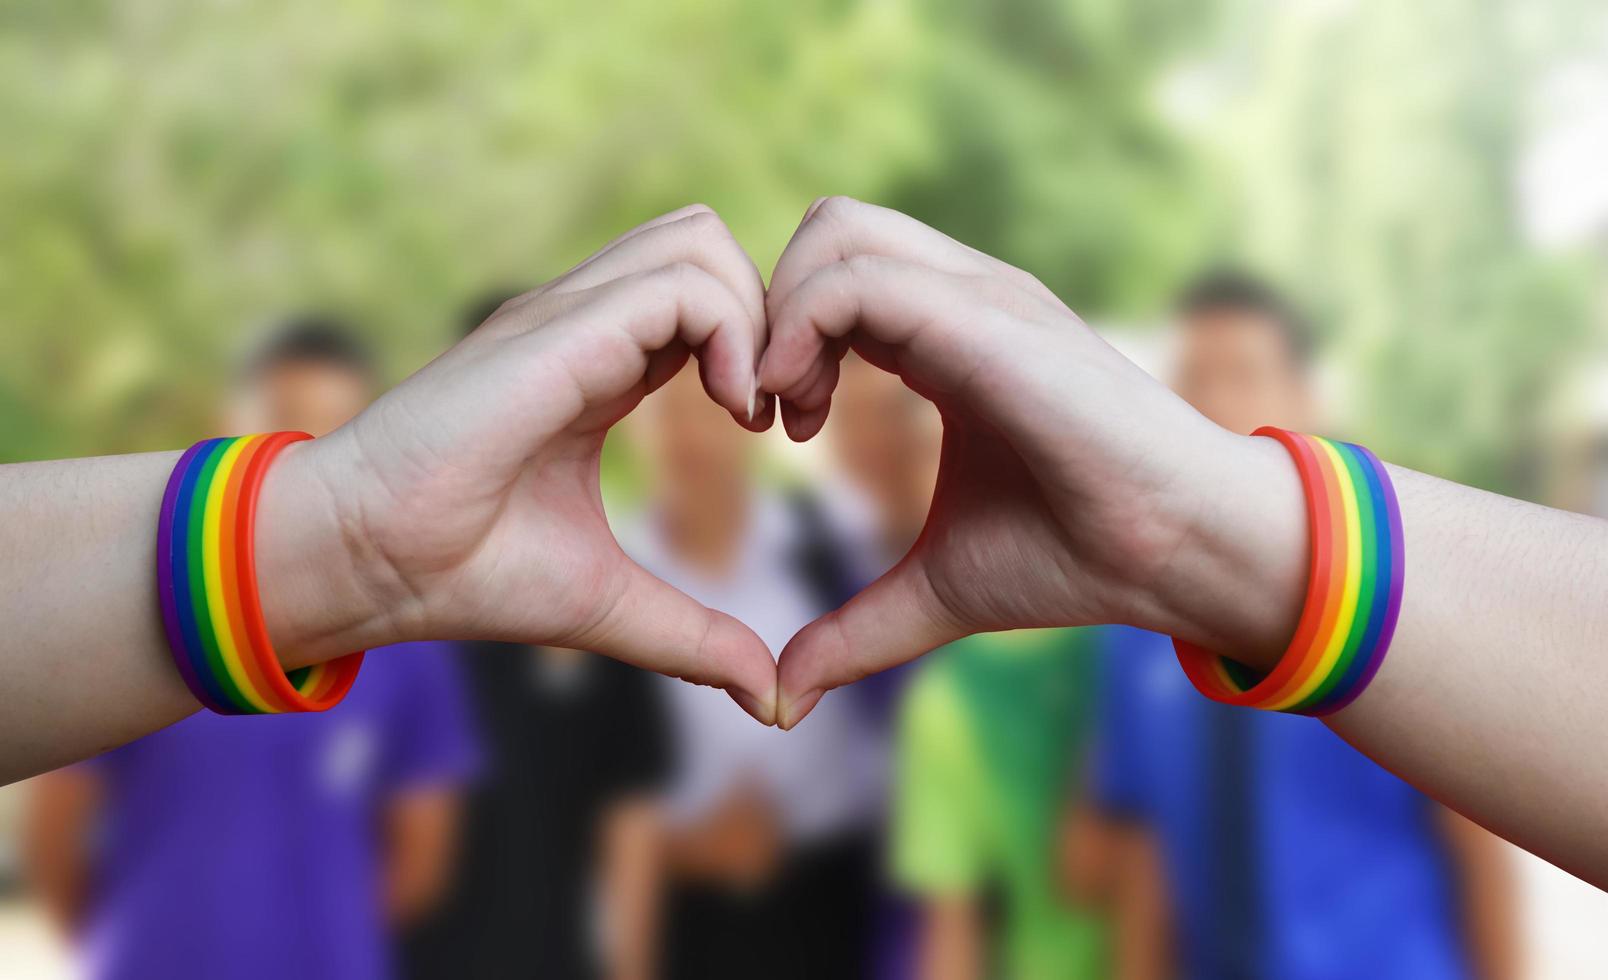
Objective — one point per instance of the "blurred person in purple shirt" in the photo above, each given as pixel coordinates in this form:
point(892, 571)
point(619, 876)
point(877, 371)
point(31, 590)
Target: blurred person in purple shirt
point(271, 846)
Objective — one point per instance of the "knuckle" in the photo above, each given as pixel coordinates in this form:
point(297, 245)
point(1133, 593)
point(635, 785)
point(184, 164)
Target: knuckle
point(704, 224)
point(680, 274)
point(838, 208)
point(663, 284)
point(692, 277)
point(862, 265)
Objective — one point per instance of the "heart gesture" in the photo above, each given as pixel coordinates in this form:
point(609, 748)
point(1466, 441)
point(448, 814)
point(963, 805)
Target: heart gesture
point(482, 517)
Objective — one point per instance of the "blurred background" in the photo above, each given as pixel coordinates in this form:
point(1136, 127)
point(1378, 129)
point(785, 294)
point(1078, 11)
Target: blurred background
point(1384, 220)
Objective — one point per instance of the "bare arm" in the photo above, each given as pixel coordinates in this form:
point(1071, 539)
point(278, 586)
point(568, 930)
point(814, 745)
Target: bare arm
point(952, 943)
point(1144, 939)
point(1115, 865)
point(737, 844)
point(633, 890)
point(55, 842)
point(1492, 697)
point(421, 842)
point(1074, 489)
point(1489, 891)
point(462, 504)
point(86, 664)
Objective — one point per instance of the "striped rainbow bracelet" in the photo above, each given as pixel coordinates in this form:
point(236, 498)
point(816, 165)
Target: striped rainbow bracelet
point(1354, 587)
point(207, 584)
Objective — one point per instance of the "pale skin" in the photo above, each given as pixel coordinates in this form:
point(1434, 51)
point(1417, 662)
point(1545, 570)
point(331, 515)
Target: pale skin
point(1074, 489)
point(1239, 369)
point(417, 825)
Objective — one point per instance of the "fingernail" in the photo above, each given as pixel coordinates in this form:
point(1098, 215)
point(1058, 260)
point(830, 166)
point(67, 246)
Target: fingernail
point(753, 396)
point(757, 709)
point(799, 707)
point(759, 369)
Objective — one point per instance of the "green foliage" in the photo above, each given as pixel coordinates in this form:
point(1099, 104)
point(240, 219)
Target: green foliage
point(177, 174)
point(1381, 150)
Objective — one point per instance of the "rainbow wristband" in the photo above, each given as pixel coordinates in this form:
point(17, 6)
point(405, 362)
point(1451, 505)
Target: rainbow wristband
point(207, 582)
point(1354, 588)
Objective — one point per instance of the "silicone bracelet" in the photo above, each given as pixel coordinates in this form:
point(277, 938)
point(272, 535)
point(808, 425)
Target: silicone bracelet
point(207, 585)
point(1356, 568)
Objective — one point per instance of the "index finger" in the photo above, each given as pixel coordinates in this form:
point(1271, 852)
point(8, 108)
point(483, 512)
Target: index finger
point(696, 235)
point(837, 228)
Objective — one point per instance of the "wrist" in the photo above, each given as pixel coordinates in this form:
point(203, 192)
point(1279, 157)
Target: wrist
point(315, 574)
point(1236, 583)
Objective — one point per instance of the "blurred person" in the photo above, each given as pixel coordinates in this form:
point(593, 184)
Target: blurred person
point(266, 846)
point(972, 828)
point(768, 836)
point(887, 444)
point(560, 873)
point(989, 728)
point(985, 732)
point(1241, 844)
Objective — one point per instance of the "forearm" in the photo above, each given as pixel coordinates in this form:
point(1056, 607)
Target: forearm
point(951, 940)
point(56, 844)
point(1491, 923)
point(421, 835)
point(1489, 697)
point(1142, 933)
point(85, 660)
point(632, 884)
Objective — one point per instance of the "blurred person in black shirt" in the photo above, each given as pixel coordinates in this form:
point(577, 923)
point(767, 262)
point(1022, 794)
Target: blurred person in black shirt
point(558, 876)
point(558, 869)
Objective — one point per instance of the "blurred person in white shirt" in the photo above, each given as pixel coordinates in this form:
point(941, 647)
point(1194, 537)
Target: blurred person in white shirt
point(769, 836)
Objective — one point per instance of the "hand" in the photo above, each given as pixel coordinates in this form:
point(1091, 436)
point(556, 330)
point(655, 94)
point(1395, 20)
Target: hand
point(1068, 490)
point(466, 499)
point(738, 844)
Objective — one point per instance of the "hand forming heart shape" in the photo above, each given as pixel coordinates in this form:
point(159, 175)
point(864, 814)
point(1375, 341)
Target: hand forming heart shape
point(1060, 497)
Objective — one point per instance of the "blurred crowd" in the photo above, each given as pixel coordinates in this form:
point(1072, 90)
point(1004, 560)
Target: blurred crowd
point(1038, 804)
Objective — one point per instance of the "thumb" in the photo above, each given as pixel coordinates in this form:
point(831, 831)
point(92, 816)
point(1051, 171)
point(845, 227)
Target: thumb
point(896, 619)
point(658, 627)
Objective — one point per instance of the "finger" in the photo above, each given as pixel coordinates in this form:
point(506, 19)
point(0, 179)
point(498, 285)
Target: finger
point(835, 228)
point(698, 237)
point(664, 364)
point(655, 626)
point(896, 619)
point(804, 414)
point(609, 246)
point(817, 384)
point(605, 339)
point(765, 410)
point(944, 327)
point(803, 424)
point(513, 303)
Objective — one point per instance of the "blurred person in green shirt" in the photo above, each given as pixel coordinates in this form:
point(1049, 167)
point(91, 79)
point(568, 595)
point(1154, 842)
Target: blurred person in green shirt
point(988, 733)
